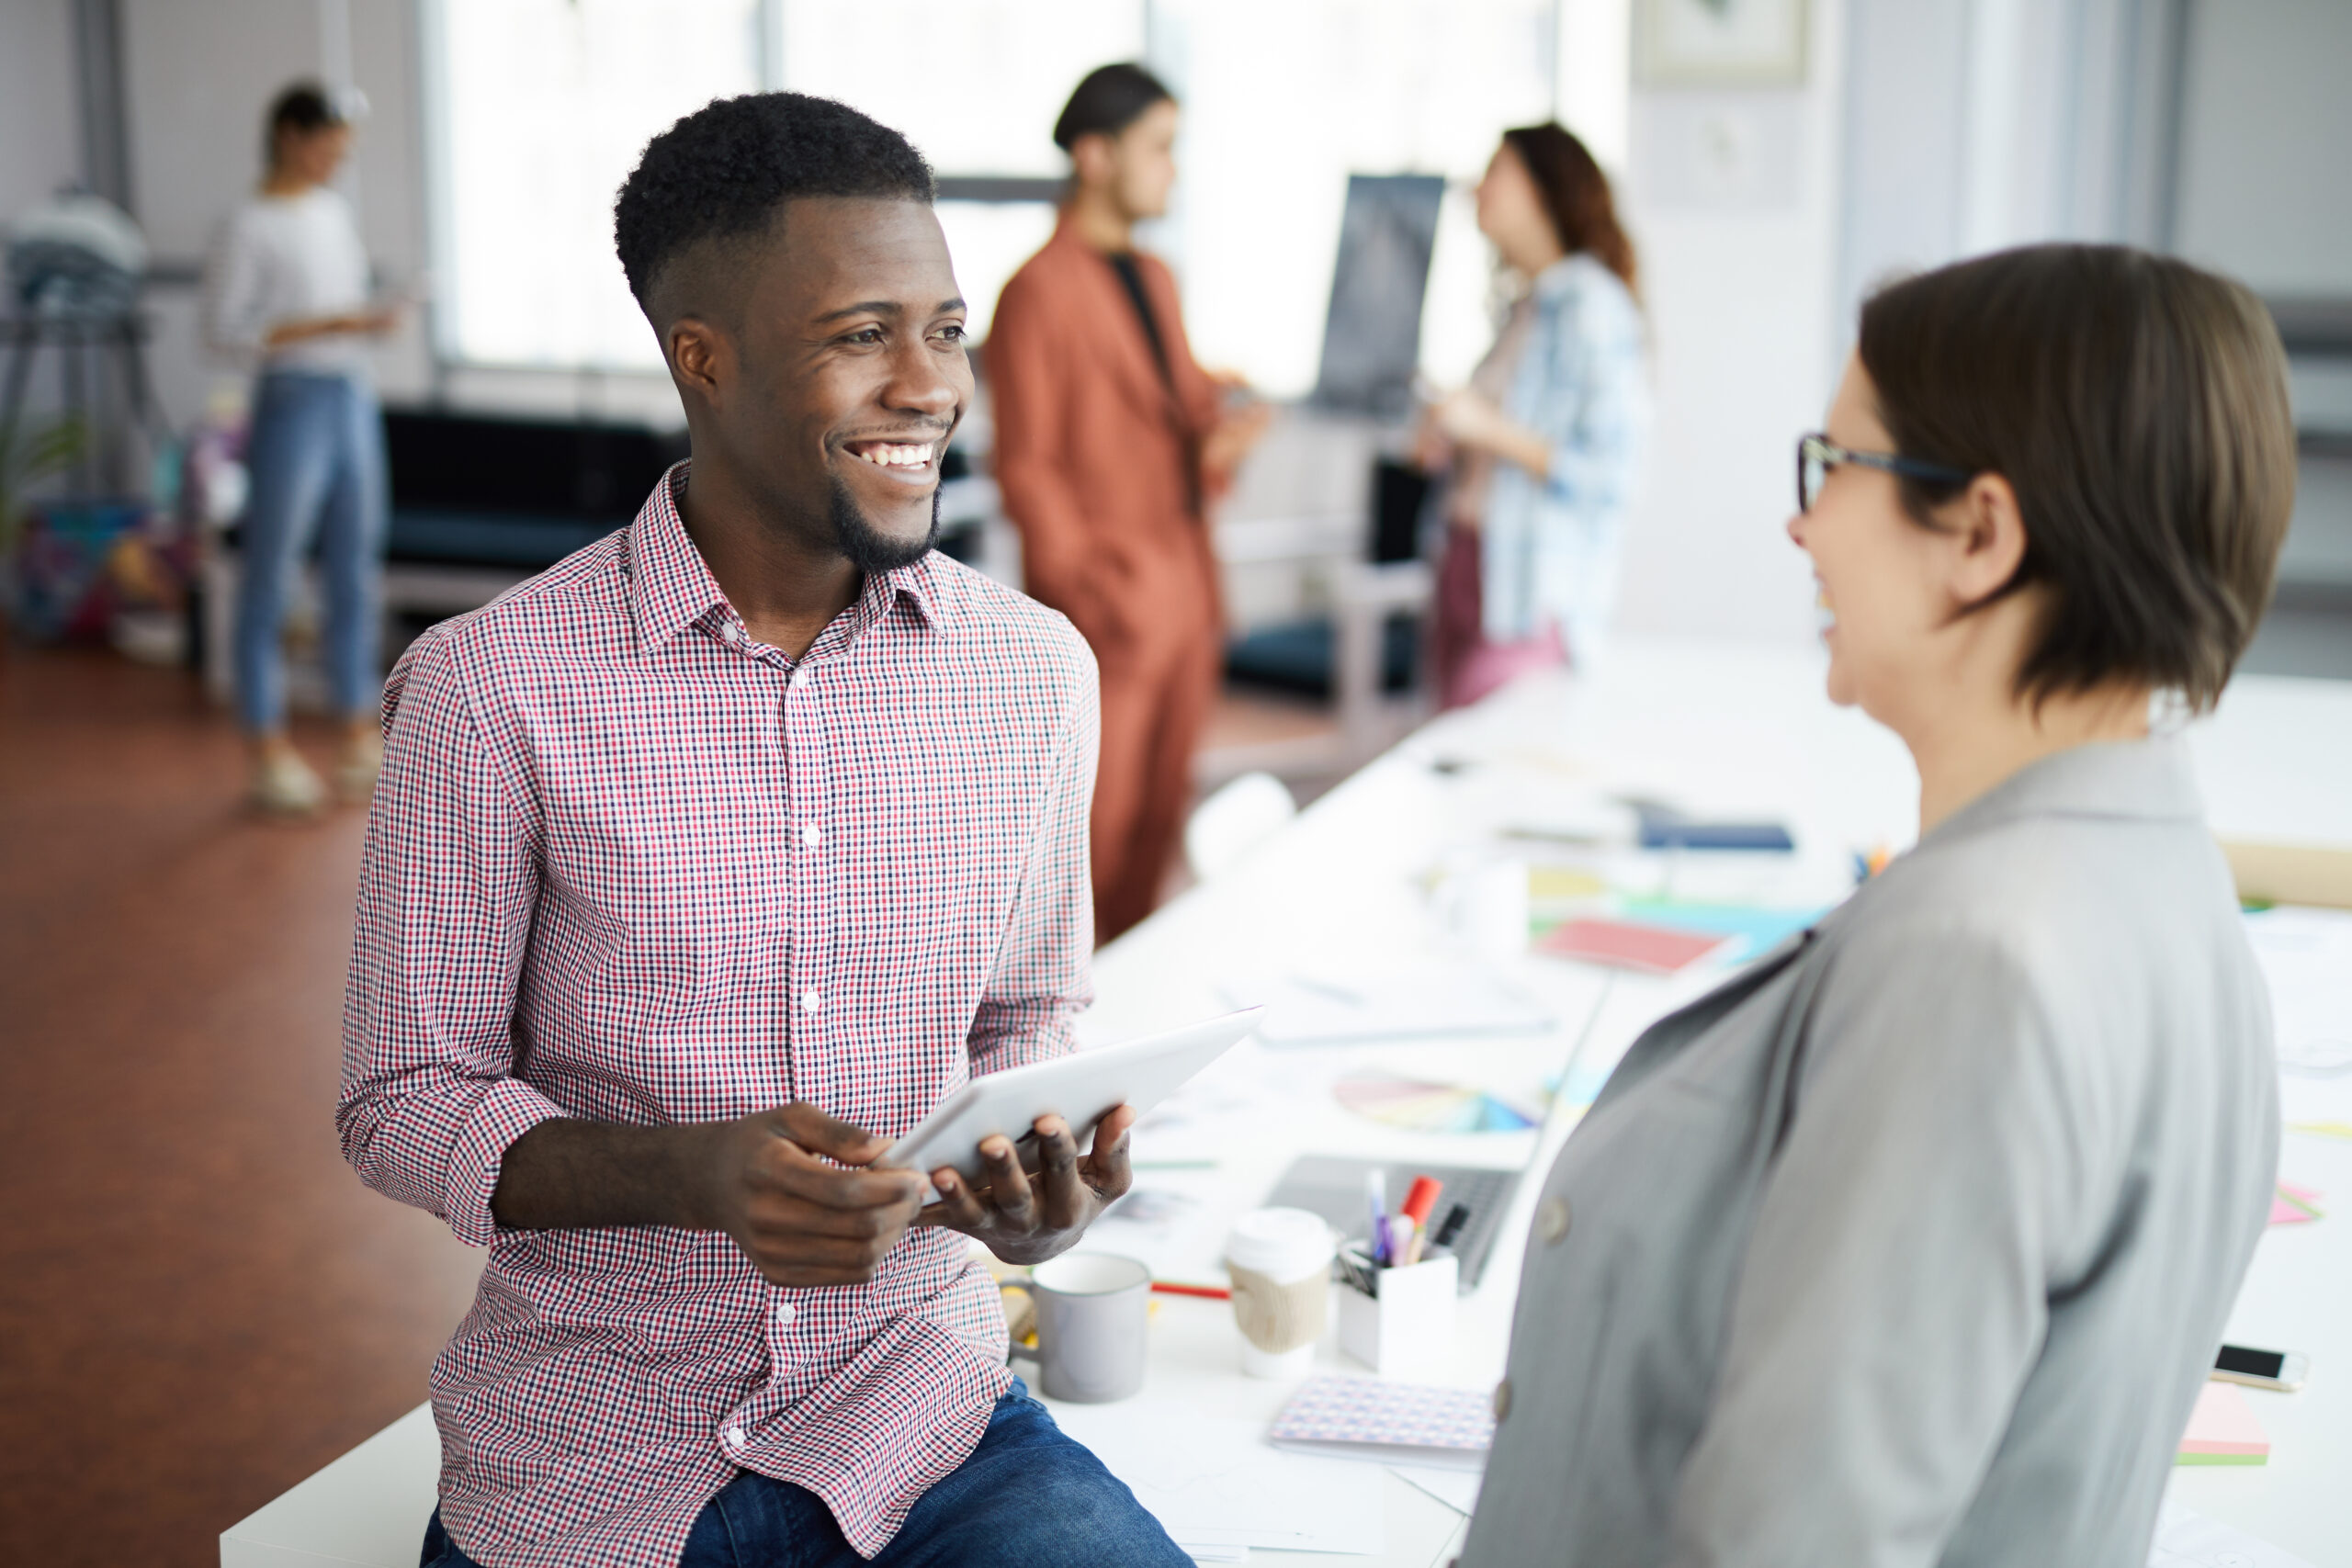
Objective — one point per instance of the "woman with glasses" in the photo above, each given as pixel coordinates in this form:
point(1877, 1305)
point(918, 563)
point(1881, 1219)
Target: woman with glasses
point(1913, 1243)
point(1543, 447)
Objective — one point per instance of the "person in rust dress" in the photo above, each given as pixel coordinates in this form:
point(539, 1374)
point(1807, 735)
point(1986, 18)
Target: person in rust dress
point(1110, 443)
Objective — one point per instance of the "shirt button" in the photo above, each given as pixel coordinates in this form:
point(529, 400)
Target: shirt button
point(810, 1001)
point(783, 1312)
point(1502, 1399)
point(1551, 1219)
point(733, 632)
point(812, 835)
point(736, 1438)
point(799, 676)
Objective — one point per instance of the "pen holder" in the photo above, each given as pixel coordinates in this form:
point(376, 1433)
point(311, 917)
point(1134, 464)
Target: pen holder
point(1403, 1326)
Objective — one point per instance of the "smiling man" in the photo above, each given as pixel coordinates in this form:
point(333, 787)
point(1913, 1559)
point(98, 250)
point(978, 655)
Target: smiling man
point(702, 864)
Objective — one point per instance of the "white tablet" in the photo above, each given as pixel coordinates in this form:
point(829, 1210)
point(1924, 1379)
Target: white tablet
point(1082, 1089)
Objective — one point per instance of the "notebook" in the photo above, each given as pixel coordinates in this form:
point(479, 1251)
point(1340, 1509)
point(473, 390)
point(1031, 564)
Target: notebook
point(1628, 944)
point(2222, 1430)
point(1388, 1423)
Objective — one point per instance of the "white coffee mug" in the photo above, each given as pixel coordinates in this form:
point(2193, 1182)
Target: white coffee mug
point(1092, 1309)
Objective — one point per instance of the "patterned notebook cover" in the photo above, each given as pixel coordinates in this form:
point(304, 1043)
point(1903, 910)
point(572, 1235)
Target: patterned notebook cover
point(1387, 1415)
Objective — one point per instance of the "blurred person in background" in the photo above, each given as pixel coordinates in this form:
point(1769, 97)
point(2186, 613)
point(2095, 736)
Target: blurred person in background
point(286, 290)
point(1110, 443)
point(1544, 444)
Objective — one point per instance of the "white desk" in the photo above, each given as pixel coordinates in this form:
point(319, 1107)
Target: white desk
point(1721, 728)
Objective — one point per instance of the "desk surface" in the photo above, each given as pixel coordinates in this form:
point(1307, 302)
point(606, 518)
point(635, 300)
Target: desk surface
point(1348, 888)
point(1743, 733)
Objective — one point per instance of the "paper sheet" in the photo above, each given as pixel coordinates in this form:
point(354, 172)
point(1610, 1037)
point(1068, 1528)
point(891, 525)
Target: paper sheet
point(2306, 954)
point(1213, 1482)
point(1457, 1489)
point(2186, 1539)
point(1449, 1003)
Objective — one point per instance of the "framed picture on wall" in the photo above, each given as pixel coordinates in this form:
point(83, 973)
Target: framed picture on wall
point(1719, 43)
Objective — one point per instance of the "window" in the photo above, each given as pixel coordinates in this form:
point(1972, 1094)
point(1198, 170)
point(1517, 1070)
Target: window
point(541, 107)
point(998, 73)
point(1282, 103)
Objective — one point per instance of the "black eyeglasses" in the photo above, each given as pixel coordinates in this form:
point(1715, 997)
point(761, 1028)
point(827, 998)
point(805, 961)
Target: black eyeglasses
point(1816, 454)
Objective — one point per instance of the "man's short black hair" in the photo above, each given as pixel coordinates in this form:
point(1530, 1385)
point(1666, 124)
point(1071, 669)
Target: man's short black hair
point(1110, 99)
point(723, 170)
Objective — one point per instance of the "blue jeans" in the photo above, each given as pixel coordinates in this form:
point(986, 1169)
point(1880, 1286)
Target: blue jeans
point(316, 458)
point(1027, 1498)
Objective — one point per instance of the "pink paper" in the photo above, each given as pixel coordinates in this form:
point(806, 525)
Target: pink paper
point(2223, 1423)
point(2295, 1213)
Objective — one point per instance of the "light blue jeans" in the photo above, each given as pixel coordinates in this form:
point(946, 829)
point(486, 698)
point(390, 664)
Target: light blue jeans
point(316, 458)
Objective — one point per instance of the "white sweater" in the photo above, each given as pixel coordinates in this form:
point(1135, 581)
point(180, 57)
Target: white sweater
point(279, 259)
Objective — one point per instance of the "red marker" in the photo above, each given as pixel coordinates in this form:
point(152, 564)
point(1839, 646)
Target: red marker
point(1420, 1198)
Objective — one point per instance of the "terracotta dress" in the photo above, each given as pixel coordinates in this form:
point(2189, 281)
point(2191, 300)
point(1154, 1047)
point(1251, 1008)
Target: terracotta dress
point(1098, 438)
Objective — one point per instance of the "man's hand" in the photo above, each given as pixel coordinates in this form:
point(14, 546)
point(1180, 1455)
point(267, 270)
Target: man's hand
point(799, 1220)
point(1026, 1219)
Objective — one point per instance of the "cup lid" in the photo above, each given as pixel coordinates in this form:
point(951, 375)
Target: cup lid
point(1281, 1241)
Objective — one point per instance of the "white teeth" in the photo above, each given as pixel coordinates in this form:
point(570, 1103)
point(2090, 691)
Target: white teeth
point(897, 456)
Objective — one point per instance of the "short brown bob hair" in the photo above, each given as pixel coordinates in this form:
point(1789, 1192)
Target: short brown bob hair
point(2138, 406)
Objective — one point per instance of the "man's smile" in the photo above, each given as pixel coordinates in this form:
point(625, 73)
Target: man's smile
point(905, 461)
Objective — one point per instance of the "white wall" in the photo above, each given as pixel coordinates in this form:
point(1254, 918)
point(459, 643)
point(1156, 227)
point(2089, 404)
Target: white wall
point(1735, 200)
point(2266, 146)
point(40, 143)
point(197, 80)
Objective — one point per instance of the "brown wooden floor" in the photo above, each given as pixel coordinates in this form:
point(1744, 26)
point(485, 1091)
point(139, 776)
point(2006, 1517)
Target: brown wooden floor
point(199, 1304)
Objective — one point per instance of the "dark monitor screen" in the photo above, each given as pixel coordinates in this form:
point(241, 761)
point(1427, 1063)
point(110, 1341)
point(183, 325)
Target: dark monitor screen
point(1372, 339)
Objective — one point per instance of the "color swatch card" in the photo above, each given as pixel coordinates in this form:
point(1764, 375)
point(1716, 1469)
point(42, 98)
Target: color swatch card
point(1629, 944)
point(2222, 1430)
point(1390, 1423)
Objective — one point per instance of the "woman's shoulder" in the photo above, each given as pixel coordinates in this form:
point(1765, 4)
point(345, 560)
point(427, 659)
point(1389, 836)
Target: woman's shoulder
point(2101, 935)
point(1581, 299)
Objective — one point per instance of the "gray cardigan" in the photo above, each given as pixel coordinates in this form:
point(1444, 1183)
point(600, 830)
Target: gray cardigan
point(1913, 1243)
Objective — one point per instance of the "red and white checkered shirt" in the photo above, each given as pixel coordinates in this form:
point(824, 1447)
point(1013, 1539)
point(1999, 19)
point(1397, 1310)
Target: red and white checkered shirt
point(627, 863)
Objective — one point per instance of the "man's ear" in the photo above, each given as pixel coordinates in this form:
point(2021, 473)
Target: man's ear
point(702, 359)
point(1986, 529)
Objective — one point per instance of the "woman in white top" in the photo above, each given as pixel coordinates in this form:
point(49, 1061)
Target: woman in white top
point(1546, 441)
point(287, 292)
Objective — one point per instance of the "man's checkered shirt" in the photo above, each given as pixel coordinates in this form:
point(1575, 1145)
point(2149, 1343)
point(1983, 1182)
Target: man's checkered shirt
point(627, 863)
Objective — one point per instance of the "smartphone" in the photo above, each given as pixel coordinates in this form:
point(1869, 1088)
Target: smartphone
point(2282, 1369)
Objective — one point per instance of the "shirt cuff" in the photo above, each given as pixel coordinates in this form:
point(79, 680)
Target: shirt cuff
point(509, 1110)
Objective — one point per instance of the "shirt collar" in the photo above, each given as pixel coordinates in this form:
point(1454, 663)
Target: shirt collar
point(2150, 780)
point(671, 586)
point(1559, 277)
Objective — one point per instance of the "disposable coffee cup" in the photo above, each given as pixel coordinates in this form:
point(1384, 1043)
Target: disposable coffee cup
point(1280, 1260)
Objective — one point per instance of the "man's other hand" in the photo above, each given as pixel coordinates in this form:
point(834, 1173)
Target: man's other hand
point(1027, 1219)
point(804, 1222)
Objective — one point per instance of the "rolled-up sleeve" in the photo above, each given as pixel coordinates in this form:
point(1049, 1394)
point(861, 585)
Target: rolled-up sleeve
point(1895, 1297)
point(448, 883)
point(1044, 974)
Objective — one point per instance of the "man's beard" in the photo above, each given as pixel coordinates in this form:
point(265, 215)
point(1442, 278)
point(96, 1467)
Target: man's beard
point(869, 549)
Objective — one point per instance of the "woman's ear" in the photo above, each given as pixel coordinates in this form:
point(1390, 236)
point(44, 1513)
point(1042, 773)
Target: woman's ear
point(1986, 531)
